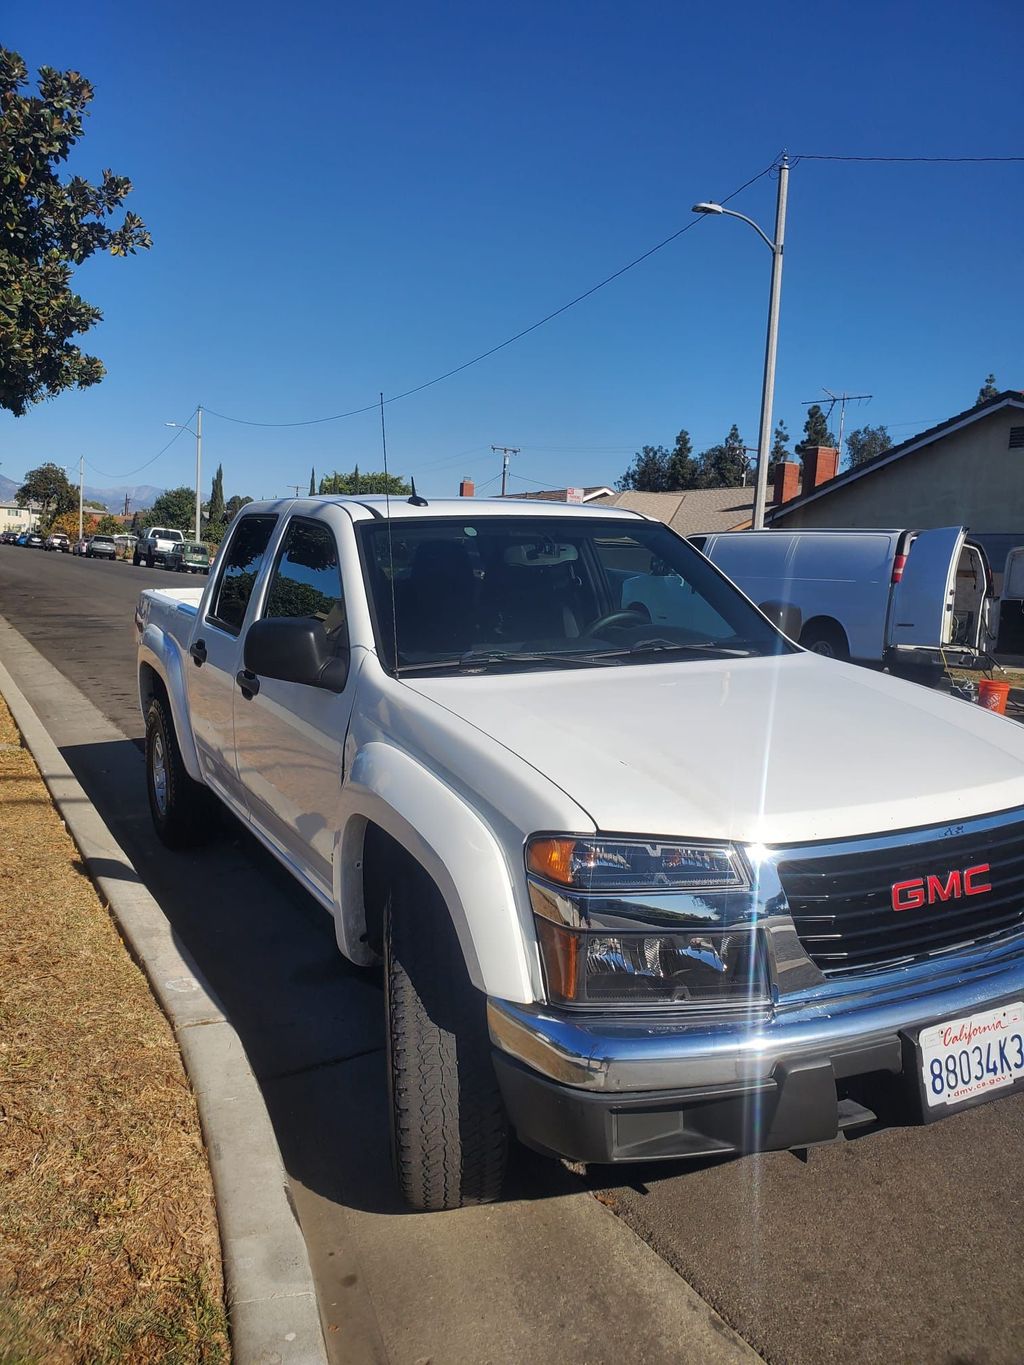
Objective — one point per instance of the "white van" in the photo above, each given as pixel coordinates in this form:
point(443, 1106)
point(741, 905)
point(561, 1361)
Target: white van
point(871, 596)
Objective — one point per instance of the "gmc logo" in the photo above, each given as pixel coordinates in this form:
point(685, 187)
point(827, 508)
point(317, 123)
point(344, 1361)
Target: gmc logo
point(927, 890)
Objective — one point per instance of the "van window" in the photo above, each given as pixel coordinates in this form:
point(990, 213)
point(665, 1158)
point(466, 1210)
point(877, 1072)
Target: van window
point(241, 565)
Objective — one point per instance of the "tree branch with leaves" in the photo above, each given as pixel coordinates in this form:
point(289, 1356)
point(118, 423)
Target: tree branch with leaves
point(47, 228)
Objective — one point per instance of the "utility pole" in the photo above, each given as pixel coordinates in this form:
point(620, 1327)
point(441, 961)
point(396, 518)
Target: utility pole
point(842, 399)
point(295, 487)
point(505, 452)
point(772, 343)
point(81, 494)
point(199, 470)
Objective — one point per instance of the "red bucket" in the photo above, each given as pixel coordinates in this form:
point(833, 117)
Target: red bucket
point(992, 695)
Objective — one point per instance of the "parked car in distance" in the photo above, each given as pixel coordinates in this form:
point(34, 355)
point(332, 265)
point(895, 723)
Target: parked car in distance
point(9, 538)
point(22, 538)
point(78, 546)
point(101, 547)
point(58, 541)
point(156, 546)
point(893, 597)
point(641, 889)
point(190, 556)
point(33, 540)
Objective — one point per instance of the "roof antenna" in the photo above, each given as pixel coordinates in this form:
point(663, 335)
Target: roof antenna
point(416, 500)
point(391, 543)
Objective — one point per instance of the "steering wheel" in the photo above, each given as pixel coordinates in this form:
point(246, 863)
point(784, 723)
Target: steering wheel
point(617, 618)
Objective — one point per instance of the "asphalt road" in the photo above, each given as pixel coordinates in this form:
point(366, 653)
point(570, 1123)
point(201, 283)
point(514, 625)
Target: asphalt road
point(903, 1245)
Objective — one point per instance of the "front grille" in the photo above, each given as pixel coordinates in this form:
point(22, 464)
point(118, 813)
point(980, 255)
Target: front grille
point(841, 903)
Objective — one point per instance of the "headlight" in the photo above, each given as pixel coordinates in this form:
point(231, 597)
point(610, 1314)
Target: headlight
point(692, 967)
point(603, 865)
point(604, 942)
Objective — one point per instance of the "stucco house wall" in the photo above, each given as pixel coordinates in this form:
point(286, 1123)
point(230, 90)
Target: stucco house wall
point(965, 477)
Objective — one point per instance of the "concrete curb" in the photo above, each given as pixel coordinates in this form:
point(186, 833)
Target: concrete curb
point(272, 1307)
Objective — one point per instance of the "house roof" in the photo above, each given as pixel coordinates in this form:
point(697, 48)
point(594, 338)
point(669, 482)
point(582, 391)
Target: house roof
point(559, 494)
point(1008, 398)
point(692, 511)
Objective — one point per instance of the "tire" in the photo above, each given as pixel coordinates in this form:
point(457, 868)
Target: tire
point(149, 561)
point(182, 809)
point(827, 639)
point(449, 1133)
point(136, 560)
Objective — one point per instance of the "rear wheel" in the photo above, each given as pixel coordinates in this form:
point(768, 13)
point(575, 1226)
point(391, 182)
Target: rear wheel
point(826, 638)
point(449, 1133)
point(182, 808)
point(149, 561)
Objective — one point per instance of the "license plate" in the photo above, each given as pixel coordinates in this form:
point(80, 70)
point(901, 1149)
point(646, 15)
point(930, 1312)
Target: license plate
point(968, 1057)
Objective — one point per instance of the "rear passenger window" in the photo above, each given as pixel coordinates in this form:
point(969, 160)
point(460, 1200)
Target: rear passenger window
point(243, 559)
point(307, 580)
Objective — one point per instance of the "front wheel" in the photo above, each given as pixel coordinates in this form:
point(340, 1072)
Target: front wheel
point(182, 808)
point(149, 561)
point(449, 1133)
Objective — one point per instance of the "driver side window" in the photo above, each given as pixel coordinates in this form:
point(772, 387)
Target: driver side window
point(307, 579)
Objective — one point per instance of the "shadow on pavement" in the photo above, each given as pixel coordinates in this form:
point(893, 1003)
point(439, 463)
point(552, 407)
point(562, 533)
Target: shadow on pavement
point(310, 1022)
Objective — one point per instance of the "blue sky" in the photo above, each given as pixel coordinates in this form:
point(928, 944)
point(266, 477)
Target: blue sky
point(347, 199)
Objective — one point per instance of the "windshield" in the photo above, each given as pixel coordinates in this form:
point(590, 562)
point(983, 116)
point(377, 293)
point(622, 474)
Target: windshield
point(506, 592)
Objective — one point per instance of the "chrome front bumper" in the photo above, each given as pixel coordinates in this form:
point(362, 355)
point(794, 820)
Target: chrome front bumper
point(621, 1053)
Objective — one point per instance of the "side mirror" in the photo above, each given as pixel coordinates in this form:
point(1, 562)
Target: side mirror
point(784, 615)
point(295, 649)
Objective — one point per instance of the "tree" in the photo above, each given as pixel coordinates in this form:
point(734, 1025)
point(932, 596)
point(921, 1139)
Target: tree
point(48, 227)
point(648, 473)
point(47, 488)
point(68, 523)
point(725, 465)
point(355, 482)
point(233, 506)
point(816, 432)
point(682, 469)
point(988, 390)
point(312, 483)
point(215, 512)
point(780, 449)
point(175, 509)
point(865, 443)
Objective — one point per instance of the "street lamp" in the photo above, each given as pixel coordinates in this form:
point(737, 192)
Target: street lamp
point(198, 434)
point(771, 345)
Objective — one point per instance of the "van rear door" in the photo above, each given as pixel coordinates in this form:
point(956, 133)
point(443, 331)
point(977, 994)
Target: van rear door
point(922, 601)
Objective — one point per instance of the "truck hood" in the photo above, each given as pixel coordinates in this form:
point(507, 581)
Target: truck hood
point(757, 750)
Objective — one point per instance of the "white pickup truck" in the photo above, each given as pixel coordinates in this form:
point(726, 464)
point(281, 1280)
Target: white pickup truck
point(641, 890)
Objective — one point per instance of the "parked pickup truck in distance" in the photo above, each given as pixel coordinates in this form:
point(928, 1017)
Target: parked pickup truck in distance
point(156, 547)
point(641, 889)
point(902, 598)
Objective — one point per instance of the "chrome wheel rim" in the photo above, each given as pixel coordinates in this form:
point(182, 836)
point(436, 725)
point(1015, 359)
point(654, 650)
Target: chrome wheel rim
point(159, 769)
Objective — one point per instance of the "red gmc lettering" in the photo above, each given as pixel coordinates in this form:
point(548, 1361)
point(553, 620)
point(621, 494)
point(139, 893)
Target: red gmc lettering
point(918, 891)
point(908, 895)
point(951, 890)
point(970, 889)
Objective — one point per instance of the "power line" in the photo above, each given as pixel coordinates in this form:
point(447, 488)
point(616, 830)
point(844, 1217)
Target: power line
point(493, 350)
point(181, 428)
point(904, 160)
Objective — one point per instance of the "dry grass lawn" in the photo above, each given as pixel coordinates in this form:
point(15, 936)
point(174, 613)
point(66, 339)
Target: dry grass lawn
point(108, 1239)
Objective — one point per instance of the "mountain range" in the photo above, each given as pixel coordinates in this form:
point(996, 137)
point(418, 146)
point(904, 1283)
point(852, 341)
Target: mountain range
point(139, 495)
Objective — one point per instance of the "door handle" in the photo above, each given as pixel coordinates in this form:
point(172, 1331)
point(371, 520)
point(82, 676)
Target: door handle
point(249, 683)
point(198, 651)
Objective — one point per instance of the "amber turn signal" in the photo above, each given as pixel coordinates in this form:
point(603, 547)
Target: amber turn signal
point(552, 859)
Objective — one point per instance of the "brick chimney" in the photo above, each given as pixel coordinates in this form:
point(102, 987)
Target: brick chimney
point(787, 481)
point(820, 463)
point(467, 489)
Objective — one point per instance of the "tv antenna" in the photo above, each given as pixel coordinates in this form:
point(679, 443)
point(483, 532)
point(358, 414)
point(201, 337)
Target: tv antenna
point(842, 399)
